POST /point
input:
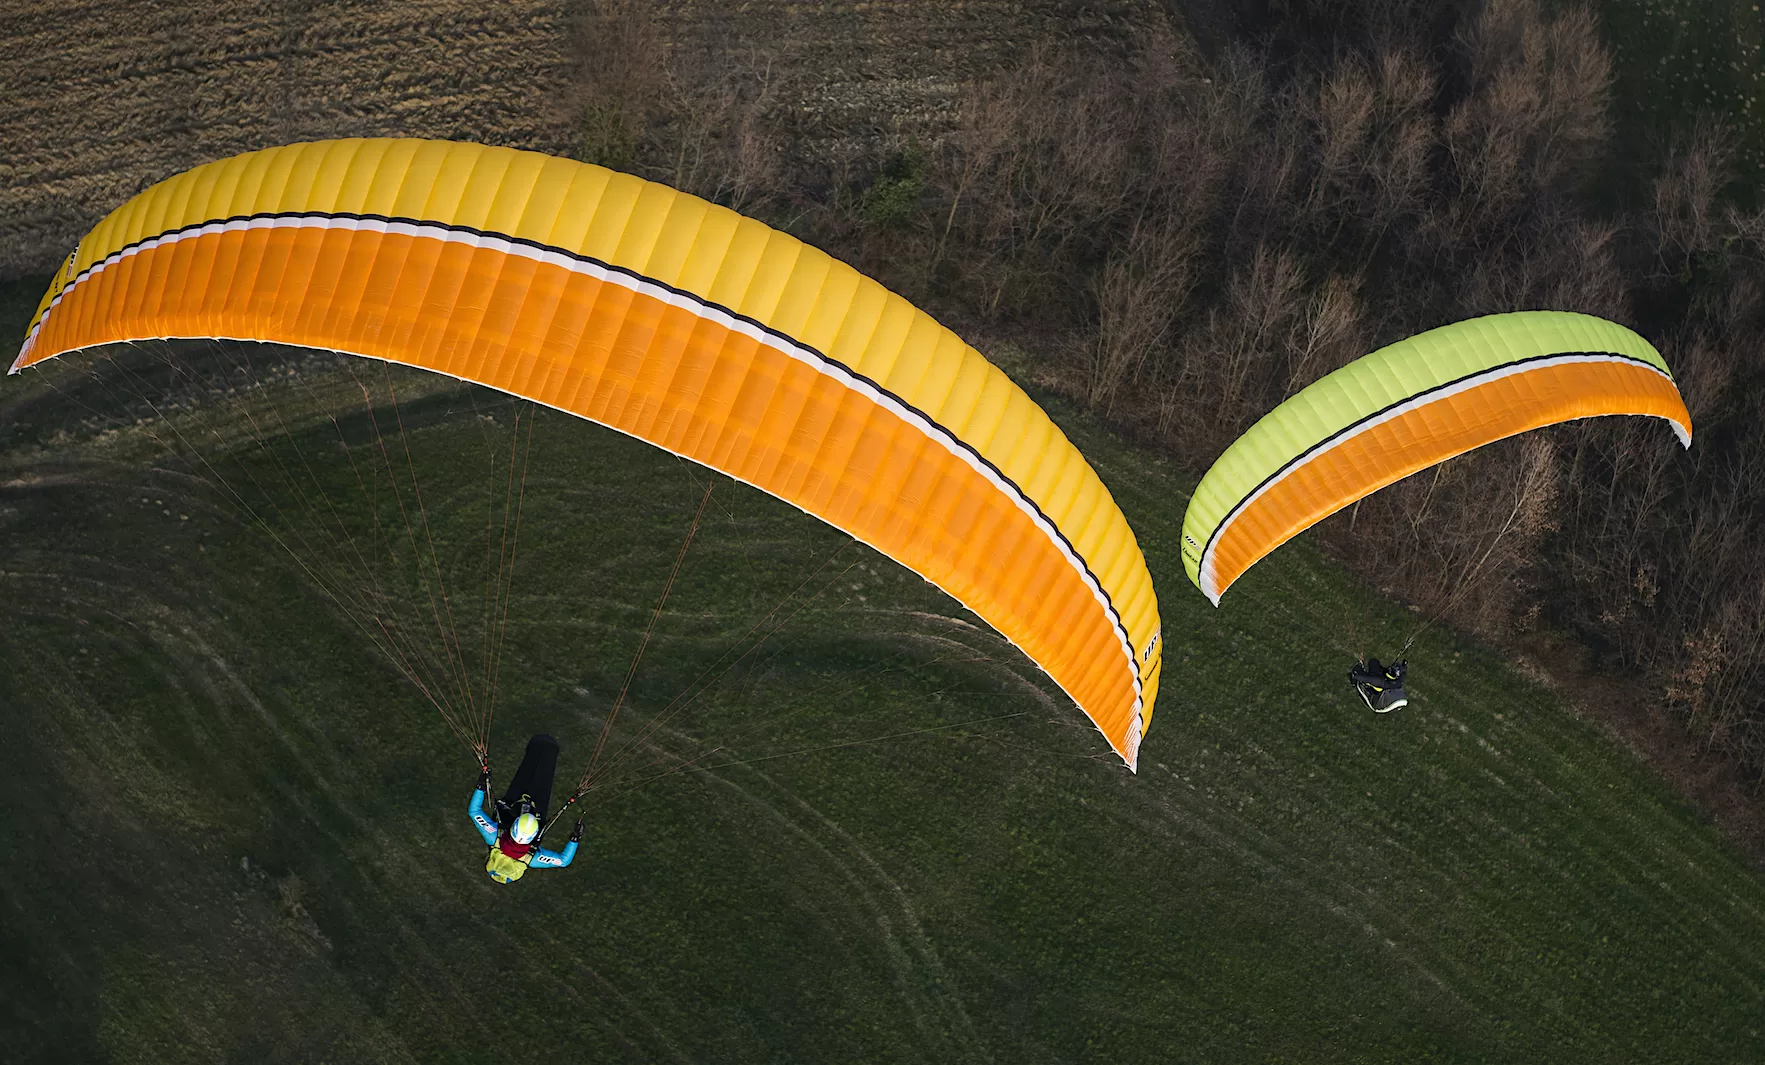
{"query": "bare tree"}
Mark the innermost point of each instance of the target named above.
(621, 79)
(1139, 294)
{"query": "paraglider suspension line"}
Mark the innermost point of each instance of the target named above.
(643, 644)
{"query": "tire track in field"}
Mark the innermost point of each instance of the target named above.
(1595, 847)
(144, 604)
(1604, 841)
(608, 991)
(1592, 842)
(1172, 814)
(885, 901)
(925, 986)
(155, 612)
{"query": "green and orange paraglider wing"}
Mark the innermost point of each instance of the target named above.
(1404, 408)
(663, 316)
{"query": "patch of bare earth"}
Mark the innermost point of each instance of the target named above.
(104, 99)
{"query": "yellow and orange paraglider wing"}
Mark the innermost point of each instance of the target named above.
(665, 317)
(1404, 408)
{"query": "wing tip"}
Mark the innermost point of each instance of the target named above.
(1130, 748)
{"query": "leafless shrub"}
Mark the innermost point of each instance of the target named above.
(1041, 171)
(1690, 685)
(719, 108)
(986, 130)
(1570, 265)
(1139, 294)
(1068, 167)
(1534, 121)
(1228, 369)
(1330, 335)
(1255, 331)
(1343, 112)
(1461, 539)
(1703, 363)
(1687, 220)
(1715, 686)
(698, 120)
(1311, 210)
(621, 79)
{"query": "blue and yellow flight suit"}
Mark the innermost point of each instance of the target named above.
(508, 860)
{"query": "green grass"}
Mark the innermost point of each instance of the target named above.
(1680, 58)
(237, 834)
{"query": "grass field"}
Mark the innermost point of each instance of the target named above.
(236, 834)
(1675, 60)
